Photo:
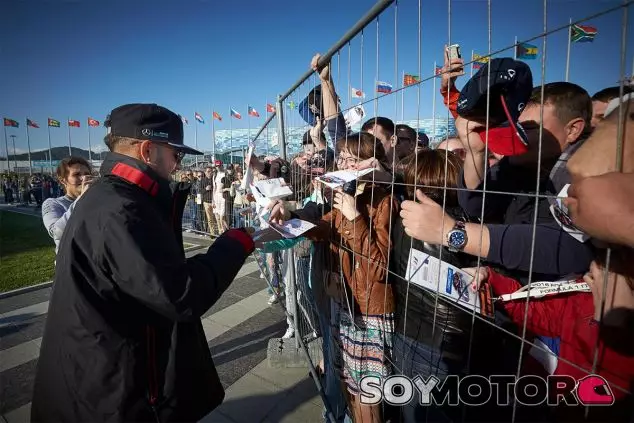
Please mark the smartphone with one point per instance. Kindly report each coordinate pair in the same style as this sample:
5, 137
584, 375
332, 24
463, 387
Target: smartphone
453, 52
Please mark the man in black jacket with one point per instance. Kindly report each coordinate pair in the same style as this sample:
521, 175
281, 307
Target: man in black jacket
123, 338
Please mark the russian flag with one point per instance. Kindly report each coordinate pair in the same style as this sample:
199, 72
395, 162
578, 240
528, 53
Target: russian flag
199, 118
383, 87
235, 114
253, 112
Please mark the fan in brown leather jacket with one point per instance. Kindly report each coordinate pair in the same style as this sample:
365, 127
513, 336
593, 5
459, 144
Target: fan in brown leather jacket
359, 250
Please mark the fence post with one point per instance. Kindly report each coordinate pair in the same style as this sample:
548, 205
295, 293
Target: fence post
281, 136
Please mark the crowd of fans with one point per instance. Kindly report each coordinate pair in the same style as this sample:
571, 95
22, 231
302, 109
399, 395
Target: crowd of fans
493, 211
485, 201
29, 189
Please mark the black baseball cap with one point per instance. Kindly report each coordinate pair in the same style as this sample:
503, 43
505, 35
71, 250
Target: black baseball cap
510, 83
149, 122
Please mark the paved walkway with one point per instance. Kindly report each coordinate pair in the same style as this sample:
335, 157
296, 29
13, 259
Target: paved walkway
237, 327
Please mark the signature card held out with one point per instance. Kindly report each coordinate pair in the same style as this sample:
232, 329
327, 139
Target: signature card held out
341, 177
424, 270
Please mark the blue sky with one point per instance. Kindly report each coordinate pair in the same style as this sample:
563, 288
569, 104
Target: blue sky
82, 58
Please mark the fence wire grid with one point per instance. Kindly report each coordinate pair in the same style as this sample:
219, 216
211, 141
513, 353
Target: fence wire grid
357, 284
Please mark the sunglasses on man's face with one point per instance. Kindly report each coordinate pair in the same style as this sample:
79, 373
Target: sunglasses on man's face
178, 155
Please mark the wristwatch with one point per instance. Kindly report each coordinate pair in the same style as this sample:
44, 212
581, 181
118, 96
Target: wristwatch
457, 237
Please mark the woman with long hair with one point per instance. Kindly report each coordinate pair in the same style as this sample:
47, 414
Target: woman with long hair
357, 229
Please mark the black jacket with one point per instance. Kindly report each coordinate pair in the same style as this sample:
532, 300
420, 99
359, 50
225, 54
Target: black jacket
509, 218
431, 319
203, 183
123, 339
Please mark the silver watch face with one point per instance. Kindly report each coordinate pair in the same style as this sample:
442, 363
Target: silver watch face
457, 239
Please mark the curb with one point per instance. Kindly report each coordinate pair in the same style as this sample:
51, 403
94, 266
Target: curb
26, 289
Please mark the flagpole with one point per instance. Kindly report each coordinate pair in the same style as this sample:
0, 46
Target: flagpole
6, 145
515, 49
403, 96
568, 52
433, 106
266, 107
70, 148
231, 136
267, 131
196, 138
50, 149
213, 135
471, 63
28, 145
89, 146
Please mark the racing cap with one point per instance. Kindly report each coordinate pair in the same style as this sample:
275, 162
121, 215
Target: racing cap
509, 84
148, 122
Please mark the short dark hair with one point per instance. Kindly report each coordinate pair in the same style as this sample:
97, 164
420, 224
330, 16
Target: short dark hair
114, 141
610, 93
570, 101
65, 164
386, 123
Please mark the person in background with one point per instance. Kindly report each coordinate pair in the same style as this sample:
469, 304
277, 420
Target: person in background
407, 141
228, 195
220, 202
601, 99
207, 198
384, 130
74, 173
239, 201
37, 185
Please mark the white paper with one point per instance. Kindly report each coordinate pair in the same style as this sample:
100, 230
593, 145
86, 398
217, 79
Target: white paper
354, 116
560, 213
247, 178
454, 284
342, 177
273, 189
292, 228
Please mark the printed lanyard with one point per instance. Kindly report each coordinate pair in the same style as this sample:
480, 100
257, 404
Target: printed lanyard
540, 289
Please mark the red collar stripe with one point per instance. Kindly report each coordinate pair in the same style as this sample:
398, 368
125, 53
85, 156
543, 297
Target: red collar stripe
136, 177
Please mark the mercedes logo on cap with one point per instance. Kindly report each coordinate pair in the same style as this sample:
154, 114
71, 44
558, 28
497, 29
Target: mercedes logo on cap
146, 132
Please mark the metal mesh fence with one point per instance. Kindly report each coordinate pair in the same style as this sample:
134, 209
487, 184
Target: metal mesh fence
381, 278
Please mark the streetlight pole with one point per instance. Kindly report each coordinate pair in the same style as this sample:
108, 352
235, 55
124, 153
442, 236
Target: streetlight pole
15, 161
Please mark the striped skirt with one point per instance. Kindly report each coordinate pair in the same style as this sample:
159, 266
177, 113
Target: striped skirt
366, 345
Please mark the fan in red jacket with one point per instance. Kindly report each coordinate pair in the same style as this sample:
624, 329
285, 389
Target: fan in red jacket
576, 319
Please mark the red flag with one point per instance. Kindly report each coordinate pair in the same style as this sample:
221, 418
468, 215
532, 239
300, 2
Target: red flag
217, 116
74, 123
252, 112
92, 122
270, 108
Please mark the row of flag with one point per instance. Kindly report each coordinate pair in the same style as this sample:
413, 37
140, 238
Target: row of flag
53, 123
524, 51
234, 113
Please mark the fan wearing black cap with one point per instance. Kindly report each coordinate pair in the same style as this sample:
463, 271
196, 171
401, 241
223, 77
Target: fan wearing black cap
507, 237
123, 338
